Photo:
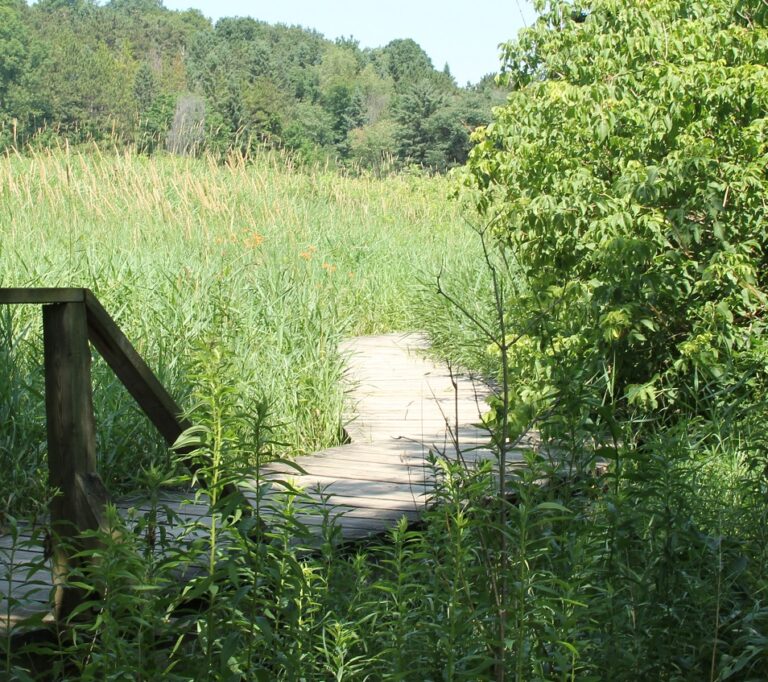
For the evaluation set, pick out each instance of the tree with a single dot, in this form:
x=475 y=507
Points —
x=13 y=48
x=406 y=62
x=126 y=70
x=434 y=127
x=154 y=126
x=66 y=5
x=626 y=176
x=137 y=7
x=309 y=130
x=373 y=146
x=144 y=87
x=340 y=95
x=414 y=109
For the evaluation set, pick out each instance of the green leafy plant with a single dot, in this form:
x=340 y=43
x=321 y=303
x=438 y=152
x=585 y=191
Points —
x=626 y=177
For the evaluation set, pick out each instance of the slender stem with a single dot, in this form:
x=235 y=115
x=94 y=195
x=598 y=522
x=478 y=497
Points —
x=713 y=663
x=498 y=294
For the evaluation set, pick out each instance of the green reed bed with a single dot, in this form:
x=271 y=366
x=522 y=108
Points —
x=274 y=262
x=236 y=283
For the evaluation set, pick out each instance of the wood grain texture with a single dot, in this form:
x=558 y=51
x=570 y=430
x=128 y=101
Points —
x=404 y=411
x=133 y=372
x=71 y=442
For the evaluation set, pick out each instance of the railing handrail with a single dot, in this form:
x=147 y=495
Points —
x=41 y=295
x=117 y=351
x=134 y=373
x=73 y=318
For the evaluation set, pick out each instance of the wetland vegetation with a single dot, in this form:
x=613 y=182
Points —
x=601 y=257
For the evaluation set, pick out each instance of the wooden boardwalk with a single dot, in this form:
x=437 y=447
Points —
x=402 y=407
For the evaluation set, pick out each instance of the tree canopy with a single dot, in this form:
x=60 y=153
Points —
x=125 y=72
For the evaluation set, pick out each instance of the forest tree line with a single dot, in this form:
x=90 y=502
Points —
x=134 y=72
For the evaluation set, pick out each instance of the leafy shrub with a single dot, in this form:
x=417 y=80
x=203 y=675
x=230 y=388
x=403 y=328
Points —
x=626 y=175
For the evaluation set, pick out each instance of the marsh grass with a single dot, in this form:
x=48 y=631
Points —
x=273 y=261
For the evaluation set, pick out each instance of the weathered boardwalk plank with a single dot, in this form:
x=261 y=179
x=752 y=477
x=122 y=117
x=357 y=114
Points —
x=402 y=407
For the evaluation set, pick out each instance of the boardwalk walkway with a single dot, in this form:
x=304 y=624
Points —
x=402 y=407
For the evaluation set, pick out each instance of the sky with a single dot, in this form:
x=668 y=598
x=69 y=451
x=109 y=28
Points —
x=465 y=34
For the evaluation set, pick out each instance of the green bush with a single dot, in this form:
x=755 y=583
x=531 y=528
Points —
x=626 y=175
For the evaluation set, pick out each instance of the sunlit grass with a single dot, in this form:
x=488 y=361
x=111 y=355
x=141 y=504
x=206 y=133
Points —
x=275 y=262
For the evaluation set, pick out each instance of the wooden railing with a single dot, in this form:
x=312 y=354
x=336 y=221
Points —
x=71 y=319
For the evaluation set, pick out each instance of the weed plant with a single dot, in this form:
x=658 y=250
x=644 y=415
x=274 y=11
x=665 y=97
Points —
x=607 y=577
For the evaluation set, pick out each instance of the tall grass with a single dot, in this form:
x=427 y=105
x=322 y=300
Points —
x=275 y=262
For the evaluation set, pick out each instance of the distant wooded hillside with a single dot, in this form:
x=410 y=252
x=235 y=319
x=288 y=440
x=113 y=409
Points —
x=133 y=72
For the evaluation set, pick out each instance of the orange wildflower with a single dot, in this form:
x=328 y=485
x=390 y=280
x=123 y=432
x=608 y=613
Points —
x=307 y=255
x=253 y=240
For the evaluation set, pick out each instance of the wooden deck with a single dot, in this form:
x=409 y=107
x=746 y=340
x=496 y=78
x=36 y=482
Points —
x=401 y=408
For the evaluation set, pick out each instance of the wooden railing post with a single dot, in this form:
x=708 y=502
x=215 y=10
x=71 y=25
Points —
x=72 y=317
x=71 y=441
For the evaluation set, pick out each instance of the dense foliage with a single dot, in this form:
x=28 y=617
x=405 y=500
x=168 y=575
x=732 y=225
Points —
x=627 y=177
x=621 y=192
x=134 y=72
